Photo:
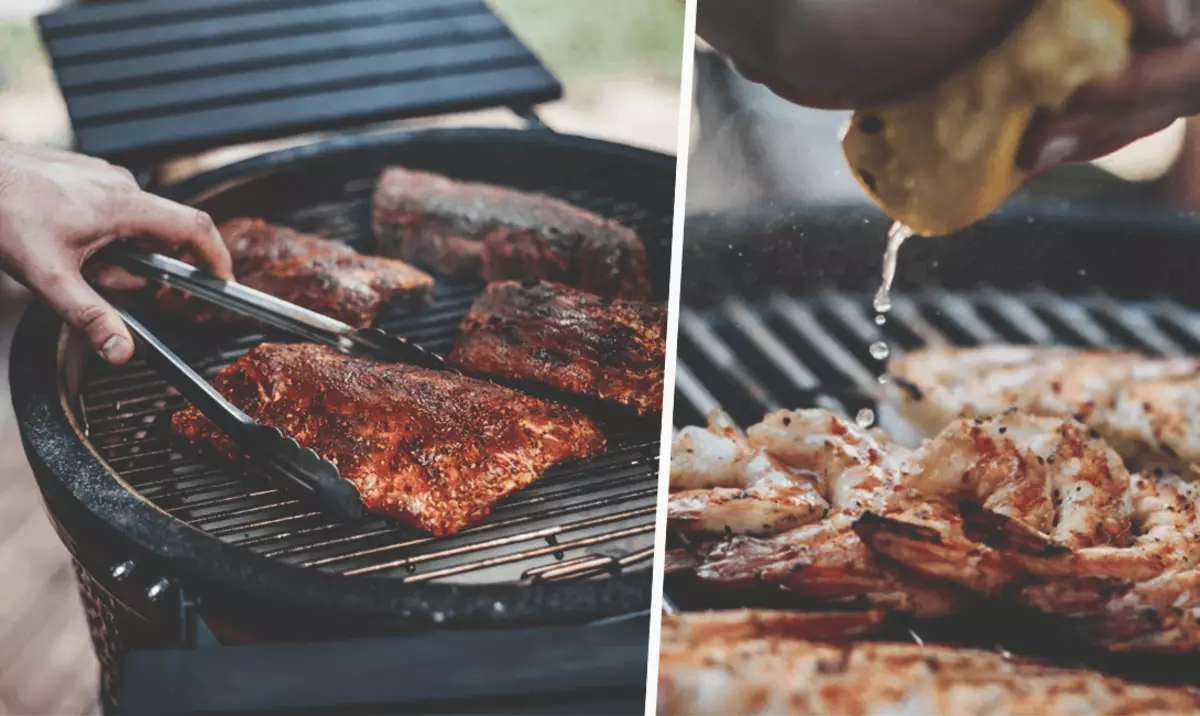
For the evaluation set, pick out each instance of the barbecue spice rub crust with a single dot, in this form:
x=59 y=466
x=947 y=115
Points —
x=433 y=449
x=469 y=230
x=318 y=274
x=568 y=339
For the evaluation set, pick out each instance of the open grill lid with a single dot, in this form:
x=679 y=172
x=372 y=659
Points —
x=149 y=80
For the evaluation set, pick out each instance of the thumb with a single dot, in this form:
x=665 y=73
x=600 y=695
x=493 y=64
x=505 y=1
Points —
x=86 y=311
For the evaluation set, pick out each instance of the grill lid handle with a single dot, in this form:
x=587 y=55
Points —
x=246 y=301
x=280 y=455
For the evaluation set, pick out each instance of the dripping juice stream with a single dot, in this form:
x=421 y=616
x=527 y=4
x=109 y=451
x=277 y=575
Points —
x=896 y=236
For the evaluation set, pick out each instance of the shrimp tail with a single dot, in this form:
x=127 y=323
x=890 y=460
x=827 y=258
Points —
x=1005 y=533
x=937 y=553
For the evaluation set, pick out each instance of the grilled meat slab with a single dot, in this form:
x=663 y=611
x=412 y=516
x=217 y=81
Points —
x=571 y=340
x=322 y=275
x=433 y=449
x=469 y=230
x=729 y=670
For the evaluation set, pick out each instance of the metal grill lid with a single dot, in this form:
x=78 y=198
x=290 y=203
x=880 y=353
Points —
x=147 y=80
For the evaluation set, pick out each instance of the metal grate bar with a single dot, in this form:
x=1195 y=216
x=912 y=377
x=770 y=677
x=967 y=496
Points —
x=486 y=527
x=906 y=311
x=779 y=354
x=234 y=529
x=964 y=316
x=1073 y=317
x=693 y=391
x=1018 y=315
x=1185 y=322
x=801 y=319
x=540 y=534
x=589 y=566
x=852 y=315
x=724 y=358
x=520 y=556
x=189 y=472
x=1138 y=324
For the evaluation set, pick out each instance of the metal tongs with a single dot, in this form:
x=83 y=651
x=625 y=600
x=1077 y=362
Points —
x=246 y=301
x=280 y=455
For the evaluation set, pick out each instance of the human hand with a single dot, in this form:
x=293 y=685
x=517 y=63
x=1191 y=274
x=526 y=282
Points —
x=851 y=53
x=1161 y=85
x=58 y=208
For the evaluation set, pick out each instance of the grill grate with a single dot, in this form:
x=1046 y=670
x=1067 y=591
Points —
x=580 y=521
x=747 y=357
x=786 y=351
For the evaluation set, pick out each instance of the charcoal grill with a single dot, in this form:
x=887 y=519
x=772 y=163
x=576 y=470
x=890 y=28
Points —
x=776 y=313
x=178 y=557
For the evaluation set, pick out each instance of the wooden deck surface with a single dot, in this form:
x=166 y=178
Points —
x=46 y=660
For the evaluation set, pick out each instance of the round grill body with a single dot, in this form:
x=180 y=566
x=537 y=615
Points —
x=144 y=521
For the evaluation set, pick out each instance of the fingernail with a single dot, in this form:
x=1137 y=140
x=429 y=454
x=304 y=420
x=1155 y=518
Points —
x=116 y=349
x=1178 y=16
x=1055 y=152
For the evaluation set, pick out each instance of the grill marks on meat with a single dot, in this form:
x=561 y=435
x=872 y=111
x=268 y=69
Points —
x=568 y=339
x=1047 y=487
x=433 y=449
x=322 y=275
x=713 y=666
x=469 y=230
x=721 y=484
x=1141 y=405
x=823 y=560
x=1035 y=510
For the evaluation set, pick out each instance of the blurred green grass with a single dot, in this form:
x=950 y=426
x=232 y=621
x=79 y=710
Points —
x=583 y=41
x=587 y=40
x=23 y=65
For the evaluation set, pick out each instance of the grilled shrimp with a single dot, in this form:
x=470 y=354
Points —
x=702 y=672
x=858 y=471
x=736 y=488
x=928 y=536
x=826 y=560
x=736 y=624
x=934 y=386
x=708 y=456
x=1165 y=526
x=1153 y=422
x=1052 y=478
x=1161 y=614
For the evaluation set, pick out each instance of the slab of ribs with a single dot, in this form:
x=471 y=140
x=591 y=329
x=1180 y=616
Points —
x=568 y=339
x=429 y=448
x=468 y=230
x=319 y=274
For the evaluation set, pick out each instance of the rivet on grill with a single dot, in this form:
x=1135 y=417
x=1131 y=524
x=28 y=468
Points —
x=122 y=570
x=155 y=591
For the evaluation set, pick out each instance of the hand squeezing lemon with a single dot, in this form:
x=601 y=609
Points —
x=949 y=93
x=947 y=156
